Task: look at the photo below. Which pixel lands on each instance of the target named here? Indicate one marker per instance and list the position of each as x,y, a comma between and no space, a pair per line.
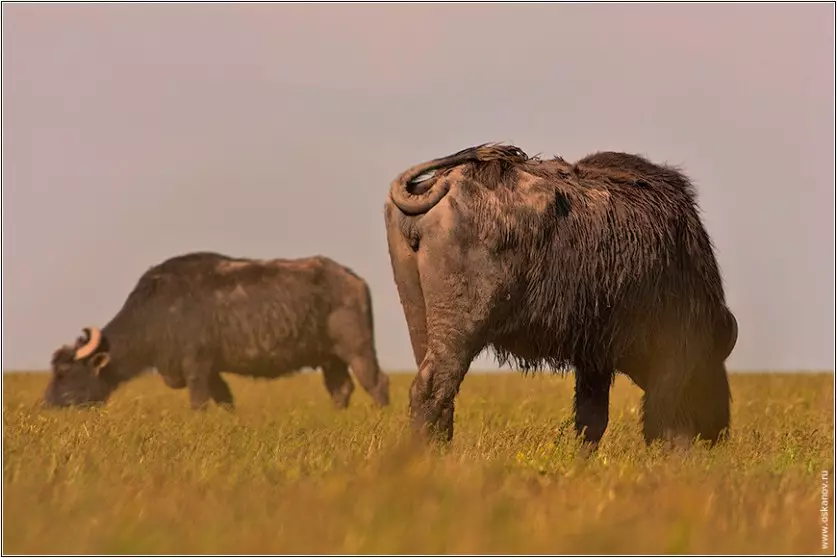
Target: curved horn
94,337
730,330
415,204
733,336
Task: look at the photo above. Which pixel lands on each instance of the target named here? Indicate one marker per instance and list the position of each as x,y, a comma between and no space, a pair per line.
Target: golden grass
288,474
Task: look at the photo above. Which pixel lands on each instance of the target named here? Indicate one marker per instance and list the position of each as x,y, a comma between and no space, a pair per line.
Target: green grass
288,474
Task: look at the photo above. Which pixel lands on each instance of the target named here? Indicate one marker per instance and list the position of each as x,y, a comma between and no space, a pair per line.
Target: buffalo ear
99,361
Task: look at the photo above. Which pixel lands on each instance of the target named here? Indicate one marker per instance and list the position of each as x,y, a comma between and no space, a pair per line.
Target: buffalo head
78,372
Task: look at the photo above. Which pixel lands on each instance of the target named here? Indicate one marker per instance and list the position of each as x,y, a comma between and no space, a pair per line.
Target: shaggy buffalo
603,265
195,315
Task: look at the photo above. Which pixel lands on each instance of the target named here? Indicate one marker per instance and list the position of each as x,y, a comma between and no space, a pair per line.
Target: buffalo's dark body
603,264
198,314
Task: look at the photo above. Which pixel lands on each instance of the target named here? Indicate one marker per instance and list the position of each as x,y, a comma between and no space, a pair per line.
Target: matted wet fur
198,314
603,264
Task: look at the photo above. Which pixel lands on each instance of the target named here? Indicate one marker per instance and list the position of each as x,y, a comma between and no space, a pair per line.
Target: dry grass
287,474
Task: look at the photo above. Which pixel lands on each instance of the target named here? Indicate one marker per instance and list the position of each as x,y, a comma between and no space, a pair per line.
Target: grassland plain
285,473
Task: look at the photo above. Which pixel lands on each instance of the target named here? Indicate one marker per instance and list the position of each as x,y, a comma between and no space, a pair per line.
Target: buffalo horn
94,337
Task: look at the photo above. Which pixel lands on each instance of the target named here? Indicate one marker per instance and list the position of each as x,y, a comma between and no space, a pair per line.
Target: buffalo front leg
199,394
338,382
220,392
197,372
592,399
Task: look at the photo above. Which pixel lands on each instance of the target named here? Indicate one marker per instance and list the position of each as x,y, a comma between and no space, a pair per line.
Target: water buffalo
603,265
194,315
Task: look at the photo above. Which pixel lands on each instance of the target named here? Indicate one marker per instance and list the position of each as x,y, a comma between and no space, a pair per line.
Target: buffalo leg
434,389
220,391
404,261
357,352
197,374
376,383
199,394
592,398
338,382
457,310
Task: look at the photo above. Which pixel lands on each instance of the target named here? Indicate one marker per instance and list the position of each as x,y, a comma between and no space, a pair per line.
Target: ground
286,473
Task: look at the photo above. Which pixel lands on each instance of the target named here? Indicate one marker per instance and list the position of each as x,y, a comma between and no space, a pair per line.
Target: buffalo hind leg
457,310
404,261
338,382
592,399
220,392
355,347
434,389
371,378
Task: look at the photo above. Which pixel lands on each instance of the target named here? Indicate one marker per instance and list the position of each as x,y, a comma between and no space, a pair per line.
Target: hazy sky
132,133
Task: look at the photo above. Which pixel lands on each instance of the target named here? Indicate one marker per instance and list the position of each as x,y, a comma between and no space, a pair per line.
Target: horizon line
488,371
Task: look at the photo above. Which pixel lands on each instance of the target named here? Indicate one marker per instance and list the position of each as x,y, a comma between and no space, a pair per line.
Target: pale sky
133,133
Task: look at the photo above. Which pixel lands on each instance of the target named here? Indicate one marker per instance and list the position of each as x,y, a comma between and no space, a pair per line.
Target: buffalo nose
50,401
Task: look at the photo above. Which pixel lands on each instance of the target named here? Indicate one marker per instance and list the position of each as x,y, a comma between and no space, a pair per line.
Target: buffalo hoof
340,404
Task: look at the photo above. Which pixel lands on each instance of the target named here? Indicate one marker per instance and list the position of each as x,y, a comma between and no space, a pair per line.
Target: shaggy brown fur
603,264
195,315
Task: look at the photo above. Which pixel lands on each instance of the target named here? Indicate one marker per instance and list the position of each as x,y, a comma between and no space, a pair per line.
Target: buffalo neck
130,357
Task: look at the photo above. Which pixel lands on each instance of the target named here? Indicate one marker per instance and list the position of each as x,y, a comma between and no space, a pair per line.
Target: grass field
288,474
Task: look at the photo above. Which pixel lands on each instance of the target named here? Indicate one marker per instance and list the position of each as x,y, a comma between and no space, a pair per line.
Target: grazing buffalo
603,265
195,315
